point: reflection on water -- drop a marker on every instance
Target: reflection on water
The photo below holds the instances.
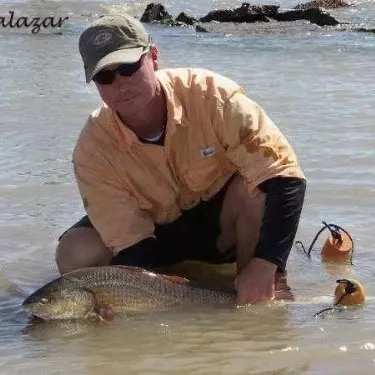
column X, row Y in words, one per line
column 185, row 342
column 38, row 329
column 261, row 338
column 319, row 89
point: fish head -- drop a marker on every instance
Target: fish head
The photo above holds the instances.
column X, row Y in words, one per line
column 62, row 298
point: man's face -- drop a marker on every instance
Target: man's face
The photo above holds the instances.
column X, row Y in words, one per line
column 127, row 95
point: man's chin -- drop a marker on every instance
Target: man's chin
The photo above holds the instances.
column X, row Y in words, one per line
column 127, row 101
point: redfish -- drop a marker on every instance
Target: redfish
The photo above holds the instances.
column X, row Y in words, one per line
column 81, row 293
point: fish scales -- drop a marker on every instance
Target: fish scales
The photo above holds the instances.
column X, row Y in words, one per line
column 144, row 290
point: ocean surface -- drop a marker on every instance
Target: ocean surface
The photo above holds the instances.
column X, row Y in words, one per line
column 317, row 84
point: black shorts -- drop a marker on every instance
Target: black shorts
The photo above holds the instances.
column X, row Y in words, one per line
column 192, row 236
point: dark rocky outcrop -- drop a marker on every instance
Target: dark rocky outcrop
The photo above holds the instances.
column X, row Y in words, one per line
column 314, row 15
column 246, row 13
column 364, row 30
column 185, row 19
column 201, row 29
column 326, row 4
column 156, row 13
column 263, row 13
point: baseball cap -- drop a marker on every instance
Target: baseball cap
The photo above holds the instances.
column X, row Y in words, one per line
column 112, row 39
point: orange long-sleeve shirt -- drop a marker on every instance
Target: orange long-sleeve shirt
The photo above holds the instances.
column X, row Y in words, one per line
column 213, row 131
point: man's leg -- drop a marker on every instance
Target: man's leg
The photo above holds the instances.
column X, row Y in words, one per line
column 81, row 246
column 229, row 220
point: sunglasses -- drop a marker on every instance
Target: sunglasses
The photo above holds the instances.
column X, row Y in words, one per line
column 106, row 77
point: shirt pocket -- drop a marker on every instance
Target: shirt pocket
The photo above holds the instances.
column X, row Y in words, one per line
column 201, row 168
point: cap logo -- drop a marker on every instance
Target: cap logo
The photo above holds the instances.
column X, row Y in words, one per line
column 101, row 38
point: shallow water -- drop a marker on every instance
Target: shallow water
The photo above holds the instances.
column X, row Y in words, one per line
column 317, row 85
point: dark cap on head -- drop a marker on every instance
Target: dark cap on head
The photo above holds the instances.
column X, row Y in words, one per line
column 112, row 39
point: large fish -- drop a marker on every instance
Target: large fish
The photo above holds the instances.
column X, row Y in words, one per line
column 81, row 293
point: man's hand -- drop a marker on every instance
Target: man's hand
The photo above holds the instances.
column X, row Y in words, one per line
column 256, row 282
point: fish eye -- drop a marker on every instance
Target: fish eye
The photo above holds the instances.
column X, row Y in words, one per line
column 44, row 300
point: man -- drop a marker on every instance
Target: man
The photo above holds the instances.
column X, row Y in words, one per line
column 178, row 164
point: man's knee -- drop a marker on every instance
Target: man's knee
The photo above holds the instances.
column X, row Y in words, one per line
column 79, row 248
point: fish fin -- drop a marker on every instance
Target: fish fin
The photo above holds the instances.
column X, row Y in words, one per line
column 171, row 278
column 94, row 316
column 101, row 319
column 174, row 279
column 130, row 268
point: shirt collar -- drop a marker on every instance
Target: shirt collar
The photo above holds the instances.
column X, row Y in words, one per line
column 174, row 112
column 174, row 105
column 123, row 135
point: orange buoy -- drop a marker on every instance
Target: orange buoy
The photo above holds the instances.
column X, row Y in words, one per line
column 337, row 248
column 349, row 292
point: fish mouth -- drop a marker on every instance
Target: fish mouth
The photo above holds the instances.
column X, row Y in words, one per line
column 26, row 307
column 35, row 319
column 31, row 314
column 30, row 311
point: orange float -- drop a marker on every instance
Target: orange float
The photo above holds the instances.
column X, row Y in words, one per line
column 349, row 292
column 337, row 247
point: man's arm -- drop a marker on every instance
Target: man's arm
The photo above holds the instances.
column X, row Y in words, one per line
column 283, row 206
column 284, row 201
column 263, row 157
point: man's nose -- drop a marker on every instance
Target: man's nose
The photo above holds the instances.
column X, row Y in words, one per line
column 119, row 79
column 122, row 85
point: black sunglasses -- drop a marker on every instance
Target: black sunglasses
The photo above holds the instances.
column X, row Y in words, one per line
column 106, row 77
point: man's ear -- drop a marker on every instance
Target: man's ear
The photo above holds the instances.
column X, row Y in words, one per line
column 155, row 57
